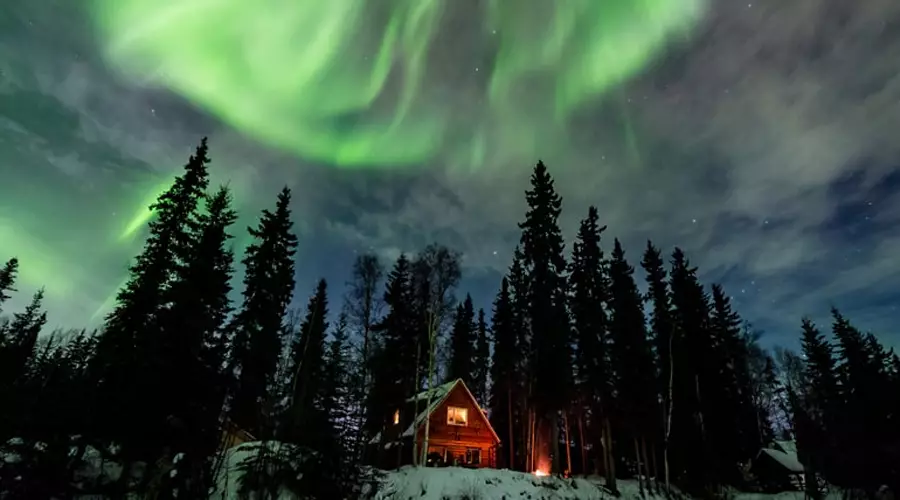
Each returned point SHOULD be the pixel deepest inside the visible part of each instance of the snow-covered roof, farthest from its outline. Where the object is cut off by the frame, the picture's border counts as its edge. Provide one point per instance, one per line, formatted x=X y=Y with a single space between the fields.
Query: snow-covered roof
x=789 y=447
x=787 y=460
x=438 y=395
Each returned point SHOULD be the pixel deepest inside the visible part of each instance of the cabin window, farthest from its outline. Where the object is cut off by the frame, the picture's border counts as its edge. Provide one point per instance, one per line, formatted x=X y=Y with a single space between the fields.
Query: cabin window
x=473 y=456
x=457 y=416
x=396 y=417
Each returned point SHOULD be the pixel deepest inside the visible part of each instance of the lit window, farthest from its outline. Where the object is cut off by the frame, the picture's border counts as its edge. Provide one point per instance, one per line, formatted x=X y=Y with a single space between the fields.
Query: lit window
x=457 y=416
x=396 y=417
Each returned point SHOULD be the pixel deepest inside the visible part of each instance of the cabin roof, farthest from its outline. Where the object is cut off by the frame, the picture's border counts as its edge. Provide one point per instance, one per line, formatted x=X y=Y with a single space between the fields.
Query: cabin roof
x=438 y=395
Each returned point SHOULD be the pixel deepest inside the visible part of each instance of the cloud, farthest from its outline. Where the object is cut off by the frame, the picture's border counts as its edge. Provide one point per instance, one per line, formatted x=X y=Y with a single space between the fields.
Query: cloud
x=748 y=144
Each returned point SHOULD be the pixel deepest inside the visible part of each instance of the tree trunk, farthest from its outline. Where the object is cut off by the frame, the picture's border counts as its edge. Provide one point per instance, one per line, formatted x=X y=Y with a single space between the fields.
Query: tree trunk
x=532 y=423
x=415 y=392
x=670 y=404
x=432 y=340
x=637 y=456
x=554 y=442
x=610 y=458
x=649 y=466
x=568 y=445
x=512 y=462
x=584 y=466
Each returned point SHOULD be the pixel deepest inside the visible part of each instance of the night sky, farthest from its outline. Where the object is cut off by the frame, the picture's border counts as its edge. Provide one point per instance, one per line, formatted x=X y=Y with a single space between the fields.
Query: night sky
x=762 y=137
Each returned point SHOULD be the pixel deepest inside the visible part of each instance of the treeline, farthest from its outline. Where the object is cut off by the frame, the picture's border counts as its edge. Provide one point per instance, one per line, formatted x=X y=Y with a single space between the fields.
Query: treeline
x=574 y=373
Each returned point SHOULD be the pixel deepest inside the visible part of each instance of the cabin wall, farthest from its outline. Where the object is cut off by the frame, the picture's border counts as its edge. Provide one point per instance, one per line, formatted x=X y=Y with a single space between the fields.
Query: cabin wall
x=453 y=441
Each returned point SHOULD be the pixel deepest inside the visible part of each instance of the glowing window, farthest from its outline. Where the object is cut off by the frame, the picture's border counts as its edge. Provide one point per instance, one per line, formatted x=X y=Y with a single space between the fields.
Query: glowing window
x=396 y=417
x=457 y=416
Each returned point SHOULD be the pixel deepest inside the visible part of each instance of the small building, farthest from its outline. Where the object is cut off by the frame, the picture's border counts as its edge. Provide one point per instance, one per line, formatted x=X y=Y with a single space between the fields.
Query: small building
x=459 y=432
x=777 y=467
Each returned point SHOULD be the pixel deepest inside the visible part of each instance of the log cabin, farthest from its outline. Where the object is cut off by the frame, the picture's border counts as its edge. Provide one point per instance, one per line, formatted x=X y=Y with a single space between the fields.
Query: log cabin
x=459 y=432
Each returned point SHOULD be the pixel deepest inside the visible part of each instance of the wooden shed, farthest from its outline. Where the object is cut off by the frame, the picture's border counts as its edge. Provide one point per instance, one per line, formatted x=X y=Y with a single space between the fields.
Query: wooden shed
x=459 y=431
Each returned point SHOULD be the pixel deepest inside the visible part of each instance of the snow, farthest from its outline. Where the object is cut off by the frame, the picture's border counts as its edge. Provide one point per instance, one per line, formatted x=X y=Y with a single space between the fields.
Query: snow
x=228 y=481
x=438 y=395
x=451 y=483
x=787 y=460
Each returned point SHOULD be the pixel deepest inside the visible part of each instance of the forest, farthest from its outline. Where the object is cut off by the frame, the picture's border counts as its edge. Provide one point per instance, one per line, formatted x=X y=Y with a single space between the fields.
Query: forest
x=580 y=371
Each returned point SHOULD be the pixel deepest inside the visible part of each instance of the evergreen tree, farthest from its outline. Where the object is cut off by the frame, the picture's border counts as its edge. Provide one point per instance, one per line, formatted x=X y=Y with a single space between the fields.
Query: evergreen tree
x=307 y=369
x=861 y=418
x=481 y=361
x=257 y=326
x=589 y=291
x=338 y=454
x=632 y=358
x=192 y=345
x=8 y=279
x=542 y=251
x=462 y=344
x=689 y=440
x=815 y=404
x=662 y=330
x=524 y=361
x=19 y=340
x=393 y=381
x=733 y=418
x=337 y=389
x=128 y=364
x=504 y=371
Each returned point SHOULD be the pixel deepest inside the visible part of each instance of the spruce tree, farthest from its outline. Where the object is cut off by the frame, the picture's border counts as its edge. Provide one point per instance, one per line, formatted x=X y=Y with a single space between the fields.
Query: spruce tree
x=588 y=294
x=257 y=326
x=861 y=417
x=816 y=403
x=733 y=417
x=19 y=340
x=192 y=345
x=504 y=371
x=662 y=329
x=462 y=344
x=8 y=279
x=542 y=251
x=393 y=381
x=128 y=365
x=689 y=440
x=632 y=358
x=307 y=370
x=481 y=360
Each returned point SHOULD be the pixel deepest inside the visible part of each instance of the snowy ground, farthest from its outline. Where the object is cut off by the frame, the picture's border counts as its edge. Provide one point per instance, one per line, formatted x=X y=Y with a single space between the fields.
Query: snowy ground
x=411 y=483
x=454 y=483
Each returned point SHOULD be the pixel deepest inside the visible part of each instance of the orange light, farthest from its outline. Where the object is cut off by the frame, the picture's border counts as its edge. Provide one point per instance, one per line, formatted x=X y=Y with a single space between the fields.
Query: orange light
x=541 y=473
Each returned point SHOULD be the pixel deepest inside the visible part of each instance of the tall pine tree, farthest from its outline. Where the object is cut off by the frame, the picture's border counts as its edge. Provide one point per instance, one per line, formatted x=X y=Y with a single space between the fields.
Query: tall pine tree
x=481 y=360
x=632 y=359
x=462 y=344
x=128 y=365
x=257 y=326
x=504 y=377
x=690 y=444
x=307 y=370
x=589 y=291
x=662 y=330
x=542 y=251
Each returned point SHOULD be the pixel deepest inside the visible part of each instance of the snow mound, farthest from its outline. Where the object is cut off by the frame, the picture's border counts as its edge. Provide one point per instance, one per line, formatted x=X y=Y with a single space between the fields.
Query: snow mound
x=456 y=483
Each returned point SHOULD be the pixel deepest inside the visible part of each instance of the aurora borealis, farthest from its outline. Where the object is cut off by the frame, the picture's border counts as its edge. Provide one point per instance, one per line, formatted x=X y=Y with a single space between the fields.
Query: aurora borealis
x=758 y=135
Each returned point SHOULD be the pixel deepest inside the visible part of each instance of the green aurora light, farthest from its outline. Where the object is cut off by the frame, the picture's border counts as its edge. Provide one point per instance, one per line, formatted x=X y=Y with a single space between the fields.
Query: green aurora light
x=313 y=77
